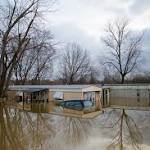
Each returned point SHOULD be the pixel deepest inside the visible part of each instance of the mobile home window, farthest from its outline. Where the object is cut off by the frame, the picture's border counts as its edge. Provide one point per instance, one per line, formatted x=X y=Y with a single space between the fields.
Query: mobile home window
x=58 y=95
x=90 y=96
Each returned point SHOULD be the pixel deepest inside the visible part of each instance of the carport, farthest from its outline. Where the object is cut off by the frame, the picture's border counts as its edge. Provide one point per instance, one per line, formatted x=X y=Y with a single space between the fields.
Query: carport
x=29 y=94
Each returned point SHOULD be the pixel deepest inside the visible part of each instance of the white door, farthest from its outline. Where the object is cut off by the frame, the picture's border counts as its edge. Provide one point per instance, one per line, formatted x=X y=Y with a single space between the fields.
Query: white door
x=106 y=97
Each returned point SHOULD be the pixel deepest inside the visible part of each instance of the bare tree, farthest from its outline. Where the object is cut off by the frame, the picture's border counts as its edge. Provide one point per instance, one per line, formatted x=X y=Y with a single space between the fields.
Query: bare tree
x=75 y=64
x=18 y=18
x=93 y=75
x=37 y=59
x=110 y=76
x=124 y=48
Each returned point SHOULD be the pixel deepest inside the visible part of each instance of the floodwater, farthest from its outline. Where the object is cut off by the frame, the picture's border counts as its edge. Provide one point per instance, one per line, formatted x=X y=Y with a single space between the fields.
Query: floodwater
x=53 y=108
x=26 y=130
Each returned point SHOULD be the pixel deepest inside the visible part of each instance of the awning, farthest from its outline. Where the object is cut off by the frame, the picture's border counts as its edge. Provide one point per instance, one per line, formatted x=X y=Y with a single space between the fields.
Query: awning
x=29 y=90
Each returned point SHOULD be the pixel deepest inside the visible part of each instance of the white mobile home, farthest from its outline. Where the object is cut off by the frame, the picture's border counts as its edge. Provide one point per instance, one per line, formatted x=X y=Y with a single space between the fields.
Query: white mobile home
x=126 y=95
x=64 y=92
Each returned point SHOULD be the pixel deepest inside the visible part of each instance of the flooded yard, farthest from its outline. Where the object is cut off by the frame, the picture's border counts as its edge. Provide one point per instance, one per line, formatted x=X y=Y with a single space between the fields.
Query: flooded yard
x=26 y=130
x=53 y=108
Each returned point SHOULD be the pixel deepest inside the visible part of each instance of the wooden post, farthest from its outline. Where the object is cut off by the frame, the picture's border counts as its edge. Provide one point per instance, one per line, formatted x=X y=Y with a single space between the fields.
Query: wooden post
x=23 y=100
x=31 y=97
x=31 y=101
x=98 y=97
x=149 y=97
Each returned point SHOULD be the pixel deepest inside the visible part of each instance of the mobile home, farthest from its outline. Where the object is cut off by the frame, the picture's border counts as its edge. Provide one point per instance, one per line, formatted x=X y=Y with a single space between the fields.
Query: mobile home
x=126 y=95
x=47 y=93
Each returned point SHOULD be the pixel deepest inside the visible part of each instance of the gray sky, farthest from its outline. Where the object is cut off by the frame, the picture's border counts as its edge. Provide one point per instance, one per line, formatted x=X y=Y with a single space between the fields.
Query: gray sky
x=83 y=21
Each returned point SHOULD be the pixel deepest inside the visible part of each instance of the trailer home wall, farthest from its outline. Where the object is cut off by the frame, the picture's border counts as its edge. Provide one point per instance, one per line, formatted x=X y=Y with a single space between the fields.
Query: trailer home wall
x=126 y=95
x=65 y=92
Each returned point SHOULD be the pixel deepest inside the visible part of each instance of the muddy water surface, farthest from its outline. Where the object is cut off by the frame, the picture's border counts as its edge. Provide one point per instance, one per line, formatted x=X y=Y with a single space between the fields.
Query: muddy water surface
x=23 y=130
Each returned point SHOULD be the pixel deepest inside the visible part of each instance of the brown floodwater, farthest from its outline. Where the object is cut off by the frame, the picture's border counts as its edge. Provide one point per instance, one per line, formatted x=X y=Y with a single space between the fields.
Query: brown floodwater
x=36 y=128
x=21 y=129
x=53 y=108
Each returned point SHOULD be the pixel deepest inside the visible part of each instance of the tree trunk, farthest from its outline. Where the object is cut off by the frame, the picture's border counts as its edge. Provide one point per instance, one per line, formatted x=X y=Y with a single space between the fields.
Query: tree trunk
x=2 y=88
x=122 y=79
x=3 y=93
x=121 y=131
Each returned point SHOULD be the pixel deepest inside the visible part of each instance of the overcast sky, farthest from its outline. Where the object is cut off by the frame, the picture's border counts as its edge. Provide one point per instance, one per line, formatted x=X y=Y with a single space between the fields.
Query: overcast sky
x=83 y=21
x=86 y=19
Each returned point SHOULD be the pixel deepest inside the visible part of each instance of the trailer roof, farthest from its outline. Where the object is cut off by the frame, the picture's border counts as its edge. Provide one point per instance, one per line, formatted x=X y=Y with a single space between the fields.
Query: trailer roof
x=137 y=86
x=34 y=88
x=26 y=89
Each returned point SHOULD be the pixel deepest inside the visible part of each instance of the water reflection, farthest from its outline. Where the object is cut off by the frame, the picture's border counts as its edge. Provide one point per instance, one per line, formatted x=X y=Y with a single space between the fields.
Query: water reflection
x=53 y=108
x=124 y=129
x=74 y=131
x=21 y=130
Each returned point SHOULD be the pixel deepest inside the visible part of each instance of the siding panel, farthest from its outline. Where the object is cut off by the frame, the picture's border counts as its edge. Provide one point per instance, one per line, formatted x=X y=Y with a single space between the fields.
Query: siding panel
x=130 y=97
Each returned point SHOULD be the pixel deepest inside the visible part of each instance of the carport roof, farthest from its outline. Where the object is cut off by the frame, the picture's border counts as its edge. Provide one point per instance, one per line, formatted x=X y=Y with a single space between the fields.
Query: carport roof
x=34 y=88
x=26 y=89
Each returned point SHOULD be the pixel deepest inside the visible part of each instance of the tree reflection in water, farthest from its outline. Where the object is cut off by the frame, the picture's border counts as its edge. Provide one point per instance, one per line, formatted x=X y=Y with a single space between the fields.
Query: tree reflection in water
x=126 y=131
x=21 y=130
x=74 y=131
